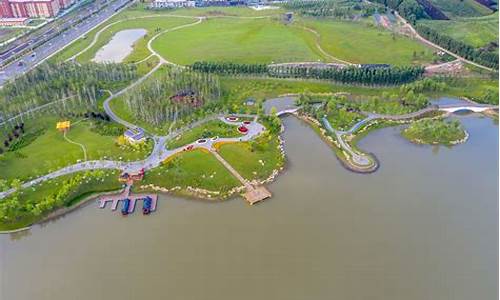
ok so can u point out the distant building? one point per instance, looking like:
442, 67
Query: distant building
13, 21
135, 135
172, 3
32, 8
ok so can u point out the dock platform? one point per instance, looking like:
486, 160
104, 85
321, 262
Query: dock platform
126, 194
256, 194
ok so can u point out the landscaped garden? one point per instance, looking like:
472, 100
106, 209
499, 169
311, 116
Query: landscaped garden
46, 149
211, 129
191, 170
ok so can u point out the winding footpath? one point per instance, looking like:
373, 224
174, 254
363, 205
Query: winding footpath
363, 160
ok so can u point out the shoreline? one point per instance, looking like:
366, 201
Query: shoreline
60, 212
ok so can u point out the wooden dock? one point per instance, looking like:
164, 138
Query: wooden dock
253, 194
256, 194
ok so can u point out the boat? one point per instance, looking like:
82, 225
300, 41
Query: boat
146, 205
126, 205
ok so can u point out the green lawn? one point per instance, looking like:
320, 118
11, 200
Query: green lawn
197, 169
254, 160
238, 40
162, 20
207, 130
461, 8
477, 32
33, 195
50, 151
139, 9
362, 42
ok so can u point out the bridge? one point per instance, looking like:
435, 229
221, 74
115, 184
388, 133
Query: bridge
465, 107
287, 111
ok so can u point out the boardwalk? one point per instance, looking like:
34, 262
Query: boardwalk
253, 194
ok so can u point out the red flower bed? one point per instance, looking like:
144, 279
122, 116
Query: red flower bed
242, 129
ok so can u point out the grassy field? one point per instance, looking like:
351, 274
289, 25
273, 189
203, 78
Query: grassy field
197, 169
139, 9
238, 40
151, 24
50, 151
38, 192
461, 8
477, 32
161, 20
254, 160
207, 130
362, 42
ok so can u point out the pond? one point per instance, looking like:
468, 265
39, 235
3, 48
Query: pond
120, 46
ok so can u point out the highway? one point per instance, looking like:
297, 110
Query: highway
57, 43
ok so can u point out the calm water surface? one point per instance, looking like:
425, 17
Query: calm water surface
120, 46
424, 226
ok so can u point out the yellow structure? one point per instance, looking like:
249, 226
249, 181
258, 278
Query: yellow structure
63, 126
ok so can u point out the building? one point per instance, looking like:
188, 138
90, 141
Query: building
32, 8
171, 4
135, 135
13, 21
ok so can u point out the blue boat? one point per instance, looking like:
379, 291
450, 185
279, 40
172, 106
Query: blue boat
126, 204
146, 205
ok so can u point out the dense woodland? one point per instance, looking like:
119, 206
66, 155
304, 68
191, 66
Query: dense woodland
369, 75
81, 85
173, 95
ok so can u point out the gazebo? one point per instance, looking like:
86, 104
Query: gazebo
63, 126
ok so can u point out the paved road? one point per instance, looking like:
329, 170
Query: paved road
59, 42
425, 41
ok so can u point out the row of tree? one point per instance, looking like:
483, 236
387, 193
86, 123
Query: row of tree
480, 56
331, 8
173, 95
369, 75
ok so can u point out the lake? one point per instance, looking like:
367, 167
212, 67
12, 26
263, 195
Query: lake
424, 226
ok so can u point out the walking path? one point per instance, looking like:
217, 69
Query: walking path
78, 144
363, 160
159, 154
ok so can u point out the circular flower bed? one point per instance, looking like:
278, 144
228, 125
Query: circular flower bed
232, 119
243, 129
247, 122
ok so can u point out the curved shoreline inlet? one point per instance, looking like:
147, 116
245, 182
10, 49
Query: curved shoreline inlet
120, 46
